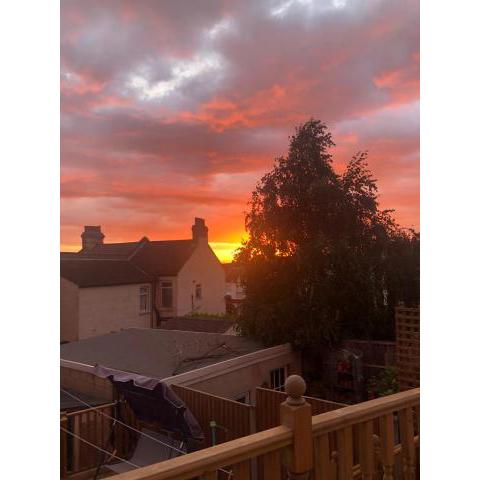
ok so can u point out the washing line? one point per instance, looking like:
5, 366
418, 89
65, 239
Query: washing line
122, 423
97, 447
130, 427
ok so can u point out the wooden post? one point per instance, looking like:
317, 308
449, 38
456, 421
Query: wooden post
296, 414
323, 463
241, 471
76, 443
407, 440
63, 447
387, 443
271, 466
345, 453
210, 475
367, 451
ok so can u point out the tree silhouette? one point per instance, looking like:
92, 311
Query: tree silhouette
322, 261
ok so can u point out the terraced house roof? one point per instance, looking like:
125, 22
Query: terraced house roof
87, 272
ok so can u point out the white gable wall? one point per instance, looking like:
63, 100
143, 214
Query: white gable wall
109, 309
202, 267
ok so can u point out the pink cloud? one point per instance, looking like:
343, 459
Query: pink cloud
356, 68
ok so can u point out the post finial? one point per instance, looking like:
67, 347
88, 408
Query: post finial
295, 387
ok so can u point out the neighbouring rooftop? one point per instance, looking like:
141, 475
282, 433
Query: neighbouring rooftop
97, 272
130, 262
198, 324
157, 353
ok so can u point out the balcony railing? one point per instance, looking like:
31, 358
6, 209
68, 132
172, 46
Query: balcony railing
370, 440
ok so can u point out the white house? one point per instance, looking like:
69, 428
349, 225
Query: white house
233, 286
106, 287
234, 289
101, 296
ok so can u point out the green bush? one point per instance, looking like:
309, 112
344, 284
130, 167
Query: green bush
385, 383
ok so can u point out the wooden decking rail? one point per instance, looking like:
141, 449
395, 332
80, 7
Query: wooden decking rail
365, 411
373, 439
208, 461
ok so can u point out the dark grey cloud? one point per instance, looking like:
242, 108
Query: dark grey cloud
162, 93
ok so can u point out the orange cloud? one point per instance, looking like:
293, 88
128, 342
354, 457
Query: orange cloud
147, 167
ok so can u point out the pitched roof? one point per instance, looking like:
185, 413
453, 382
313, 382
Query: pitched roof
157, 353
111, 250
68, 254
162, 257
88, 272
165, 257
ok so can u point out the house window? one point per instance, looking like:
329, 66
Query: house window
144, 299
198, 291
166, 294
277, 378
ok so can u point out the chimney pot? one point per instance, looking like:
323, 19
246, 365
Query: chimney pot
92, 235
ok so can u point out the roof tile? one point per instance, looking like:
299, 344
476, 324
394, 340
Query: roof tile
88, 272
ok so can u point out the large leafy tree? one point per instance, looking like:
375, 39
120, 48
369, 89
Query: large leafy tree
322, 261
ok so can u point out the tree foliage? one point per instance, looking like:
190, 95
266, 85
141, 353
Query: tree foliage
322, 261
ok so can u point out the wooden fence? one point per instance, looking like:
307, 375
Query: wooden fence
232, 419
375, 353
407, 325
267, 409
320, 447
94, 426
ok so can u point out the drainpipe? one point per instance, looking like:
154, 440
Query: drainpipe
213, 426
154, 313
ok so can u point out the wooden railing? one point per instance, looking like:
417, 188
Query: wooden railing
362, 440
93, 425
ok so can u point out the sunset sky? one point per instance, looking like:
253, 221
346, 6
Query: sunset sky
175, 109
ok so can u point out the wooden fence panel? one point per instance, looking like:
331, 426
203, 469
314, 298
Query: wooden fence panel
232, 419
407, 326
94, 426
267, 410
63, 445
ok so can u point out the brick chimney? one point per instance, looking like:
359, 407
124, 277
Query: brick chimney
199, 231
91, 236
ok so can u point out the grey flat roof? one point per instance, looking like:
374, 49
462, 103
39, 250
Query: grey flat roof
157, 353
197, 324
